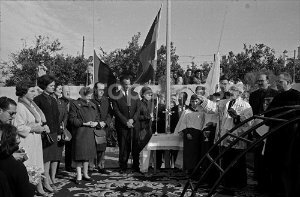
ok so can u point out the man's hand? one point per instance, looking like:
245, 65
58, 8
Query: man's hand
129, 125
189, 136
58, 137
19, 156
88, 124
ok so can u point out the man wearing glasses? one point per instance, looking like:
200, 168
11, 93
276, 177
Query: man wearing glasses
8, 110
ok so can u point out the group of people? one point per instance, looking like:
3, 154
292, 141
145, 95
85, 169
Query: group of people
276, 162
35, 130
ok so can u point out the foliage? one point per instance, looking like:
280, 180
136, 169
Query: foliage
66, 69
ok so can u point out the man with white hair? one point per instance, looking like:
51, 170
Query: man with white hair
231, 111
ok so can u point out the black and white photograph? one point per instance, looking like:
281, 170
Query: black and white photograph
162, 98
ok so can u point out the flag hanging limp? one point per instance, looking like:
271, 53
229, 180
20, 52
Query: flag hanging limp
148, 55
103, 72
213, 77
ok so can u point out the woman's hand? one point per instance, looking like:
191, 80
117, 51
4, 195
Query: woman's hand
46, 129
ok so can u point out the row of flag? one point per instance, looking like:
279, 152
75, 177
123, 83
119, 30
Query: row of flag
148, 59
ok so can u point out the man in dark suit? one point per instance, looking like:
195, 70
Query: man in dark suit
259, 100
126, 108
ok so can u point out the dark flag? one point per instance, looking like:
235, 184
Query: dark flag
103, 72
148, 56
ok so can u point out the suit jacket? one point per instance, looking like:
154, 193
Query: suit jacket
122, 111
104, 109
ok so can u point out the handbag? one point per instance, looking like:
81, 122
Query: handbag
66, 135
46, 140
100, 136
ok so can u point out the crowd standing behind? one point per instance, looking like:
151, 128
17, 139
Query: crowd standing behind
201, 122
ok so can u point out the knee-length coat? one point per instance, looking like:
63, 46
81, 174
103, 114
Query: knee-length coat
84, 145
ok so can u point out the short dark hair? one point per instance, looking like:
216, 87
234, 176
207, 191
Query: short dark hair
8, 142
44, 81
57, 83
84, 91
125, 77
5, 102
197, 71
22, 87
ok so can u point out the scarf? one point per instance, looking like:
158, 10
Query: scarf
37, 113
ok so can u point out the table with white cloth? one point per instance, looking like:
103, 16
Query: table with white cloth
161, 142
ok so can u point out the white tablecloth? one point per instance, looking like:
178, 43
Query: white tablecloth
161, 142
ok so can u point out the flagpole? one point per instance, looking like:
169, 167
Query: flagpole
93, 44
168, 96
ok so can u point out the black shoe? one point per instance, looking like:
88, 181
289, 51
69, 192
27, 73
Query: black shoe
102, 171
137, 171
78, 182
87, 178
70, 169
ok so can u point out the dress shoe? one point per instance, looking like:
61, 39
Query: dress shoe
78, 182
87, 178
102, 171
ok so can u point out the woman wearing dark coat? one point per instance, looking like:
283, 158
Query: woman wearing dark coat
83, 117
145, 117
62, 119
48, 105
13, 171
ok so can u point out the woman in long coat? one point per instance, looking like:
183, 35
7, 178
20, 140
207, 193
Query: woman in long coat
63, 118
48, 105
83, 117
29, 120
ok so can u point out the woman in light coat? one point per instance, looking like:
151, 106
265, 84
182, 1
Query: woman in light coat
30, 122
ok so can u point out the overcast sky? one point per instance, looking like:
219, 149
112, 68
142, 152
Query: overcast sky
196, 25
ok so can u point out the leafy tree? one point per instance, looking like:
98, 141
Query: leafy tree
66, 69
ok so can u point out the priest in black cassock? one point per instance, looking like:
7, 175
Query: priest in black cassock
259, 99
282, 147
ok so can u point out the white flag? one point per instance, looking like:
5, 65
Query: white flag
212, 81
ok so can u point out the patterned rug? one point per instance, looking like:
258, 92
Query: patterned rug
163, 183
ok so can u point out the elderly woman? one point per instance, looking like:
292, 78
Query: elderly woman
231, 112
84, 118
190, 125
15, 171
30, 122
48, 105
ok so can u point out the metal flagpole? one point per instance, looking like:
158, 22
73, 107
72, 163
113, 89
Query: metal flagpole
168, 96
93, 43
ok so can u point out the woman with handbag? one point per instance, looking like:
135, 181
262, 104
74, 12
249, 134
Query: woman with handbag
83, 117
63, 118
48, 105
30, 122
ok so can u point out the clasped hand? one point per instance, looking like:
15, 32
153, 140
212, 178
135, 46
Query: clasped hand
130, 123
91, 124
